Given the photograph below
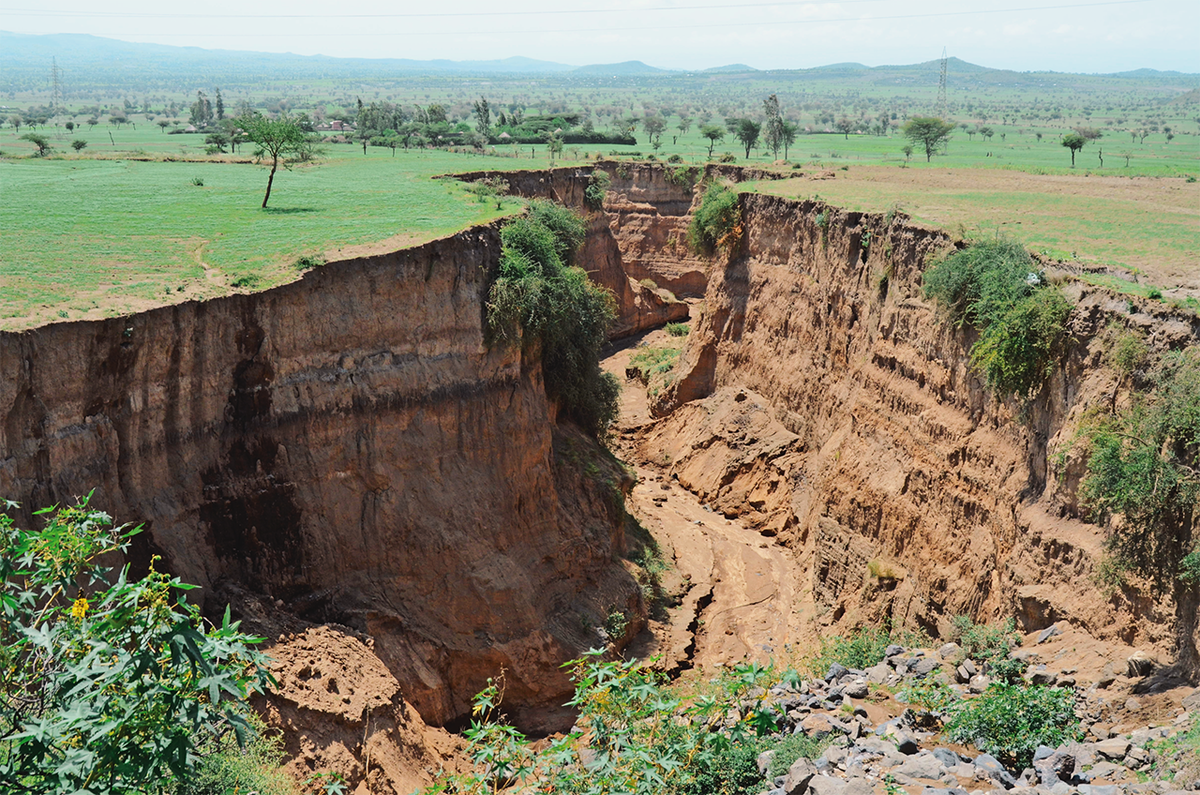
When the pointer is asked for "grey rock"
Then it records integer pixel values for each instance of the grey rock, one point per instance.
(1192, 701)
(892, 650)
(1113, 748)
(858, 786)
(1060, 788)
(970, 667)
(1137, 758)
(926, 766)
(856, 689)
(1055, 766)
(943, 791)
(979, 683)
(799, 775)
(962, 675)
(1139, 664)
(1040, 676)
(925, 666)
(1048, 633)
(1096, 789)
(836, 671)
(905, 743)
(826, 785)
(988, 766)
(1107, 770)
(763, 762)
(946, 756)
(949, 650)
(878, 674)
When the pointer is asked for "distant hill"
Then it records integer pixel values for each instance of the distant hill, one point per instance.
(92, 61)
(623, 69)
(733, 67)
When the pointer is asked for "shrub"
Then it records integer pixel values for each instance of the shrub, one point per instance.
(542, 302)
(994, 286)
(677, 329)
(308, 262)
(593, 194)
(731, 770)
(129, 679)
(982, 642)
(655, 366)
(717, 221)
(1011, 721)
(796, 746)
(863, 649)
(225, 767)
(1125, 351)
(728, 157)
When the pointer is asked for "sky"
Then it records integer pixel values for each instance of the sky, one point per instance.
(1023, 35)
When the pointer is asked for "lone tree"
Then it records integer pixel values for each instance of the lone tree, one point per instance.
(1073, 141)
(927, 131)
(281, 140)
(773, 127)
(747, 132)
(483, 119)
(714, 134)
(40, 141)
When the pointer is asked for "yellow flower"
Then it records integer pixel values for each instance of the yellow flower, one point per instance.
(79, 608)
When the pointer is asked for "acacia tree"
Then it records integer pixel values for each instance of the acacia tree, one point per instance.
(280, 140)
(747, 131)
(790, 128)
(654, 126)
(927, 131)
(714, 134)
(40, 141)
(1073, 141)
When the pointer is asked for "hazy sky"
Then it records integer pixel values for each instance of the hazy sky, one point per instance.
(682, 34)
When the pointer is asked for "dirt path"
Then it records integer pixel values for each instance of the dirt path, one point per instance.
(736, 589)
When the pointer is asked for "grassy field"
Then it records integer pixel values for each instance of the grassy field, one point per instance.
(119, 228)
(92, 238)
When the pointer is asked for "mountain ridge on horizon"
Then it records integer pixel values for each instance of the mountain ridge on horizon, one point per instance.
(28, 52)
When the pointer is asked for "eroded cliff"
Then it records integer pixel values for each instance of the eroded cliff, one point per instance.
(348, 446)
(821, 399)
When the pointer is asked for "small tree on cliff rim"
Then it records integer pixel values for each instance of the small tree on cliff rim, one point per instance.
(281, 140)
(927, 131)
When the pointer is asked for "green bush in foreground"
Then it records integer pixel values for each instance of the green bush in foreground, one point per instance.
(717, 221)
(862, 649)
(541, 301)
(107, 685)
(1011, 721)
(994, 286)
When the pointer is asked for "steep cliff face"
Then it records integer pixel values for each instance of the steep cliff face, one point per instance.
(348, 445)
(821, 399)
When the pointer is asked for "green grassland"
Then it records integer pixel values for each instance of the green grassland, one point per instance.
(123, 225)
(88, 237)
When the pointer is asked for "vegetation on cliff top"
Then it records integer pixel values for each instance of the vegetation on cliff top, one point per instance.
(540, 299)
(995, 287)
(717, 221)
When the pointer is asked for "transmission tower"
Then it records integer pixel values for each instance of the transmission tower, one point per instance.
(941, 98)
(56, 87)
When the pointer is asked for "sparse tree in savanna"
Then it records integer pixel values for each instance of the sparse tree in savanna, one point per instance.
(790, 129)
(70, 126)
(773, 126)
(78, 144)
(279, 140)
(747, 132)
(685, 124)
(927, 131)
(845, 127)
(93, 121)
(654, 126)
(987, 132)
(220, 106)
(714, 134)
(40, 141)
(16, 121)
(907, 150)
(1073, 141)
(164, 124)
(483, 118)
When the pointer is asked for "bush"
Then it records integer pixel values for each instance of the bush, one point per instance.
(985, 643)
(677, 329)
(225, 767)
(793, 747)
(1011, 721)
(717, 221)
(129, 679)
(541, 301)
(597, 187)
(731, 770)
(863, 649)
(655, 367)
(308, 262)
(994, 286)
